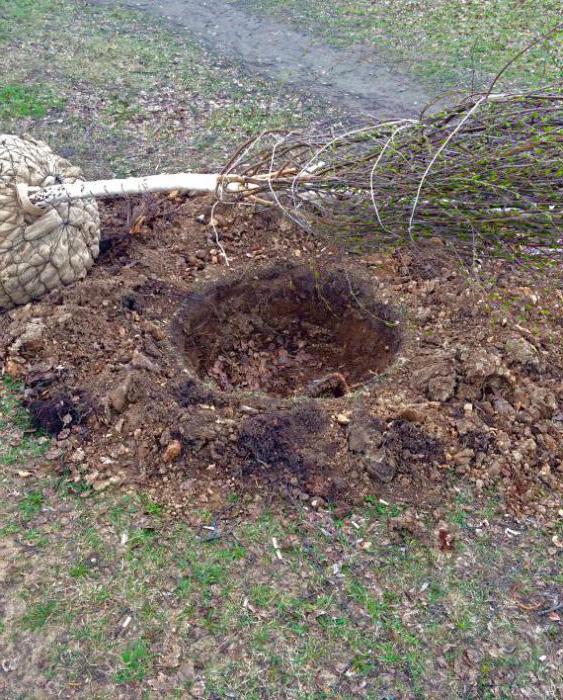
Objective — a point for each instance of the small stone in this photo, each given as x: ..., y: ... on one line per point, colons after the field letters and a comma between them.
x: 31, y: 340
x: 102, y: 485
x: 342, y: 511
x: 343, y: 419
x: 381, y: 465
x: 249, y: 409
x: 156, y: 331
x: 78, y: 456
x: 521, y: 351
x: 411, y: 413
x: 118, y: 398
x: 464, y: 456
x: 365, y: 434
x: 172, y: 451
x: 198, y: 689
x: 140, y: 361
x: 13, y: 369
x: 503, y: 407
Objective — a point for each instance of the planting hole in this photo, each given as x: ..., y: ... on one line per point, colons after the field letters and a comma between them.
x: 288, y: 331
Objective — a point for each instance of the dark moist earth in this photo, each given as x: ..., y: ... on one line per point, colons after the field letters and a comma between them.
x: 288, y: 330
x: 299, y: 372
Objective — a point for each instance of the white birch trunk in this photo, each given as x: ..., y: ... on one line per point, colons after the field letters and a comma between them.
x: 43, y: 198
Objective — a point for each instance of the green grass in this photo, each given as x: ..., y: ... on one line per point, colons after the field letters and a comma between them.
x: 17, y: 101
x: 39, y: 614
x: 18, y: 439
x: 254, y: 624
x: 30, y: 505
x: 36, y: 538
x: 444, y: 41
x: 119, y: 84
x: 31, y: 446
x: 79, y: 570
x: 11, y: 411
x: 136, y: 661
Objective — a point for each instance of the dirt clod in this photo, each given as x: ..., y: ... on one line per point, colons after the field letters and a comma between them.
x: 55, y: 414
x: 282, y: 440
x: 387, y: 449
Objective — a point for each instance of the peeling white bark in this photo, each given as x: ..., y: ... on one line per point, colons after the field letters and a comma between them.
x: 45, y: 197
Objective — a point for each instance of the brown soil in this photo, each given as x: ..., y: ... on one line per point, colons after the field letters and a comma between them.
x: 299, y: 372
x: 287, y: 330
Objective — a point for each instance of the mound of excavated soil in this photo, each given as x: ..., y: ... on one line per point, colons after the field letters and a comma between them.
x: 297, y: 372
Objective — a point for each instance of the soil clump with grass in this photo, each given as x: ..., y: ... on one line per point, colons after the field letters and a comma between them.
x: 300, y: 372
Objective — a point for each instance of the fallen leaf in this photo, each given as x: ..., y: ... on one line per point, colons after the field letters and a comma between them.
x: 138, y: 225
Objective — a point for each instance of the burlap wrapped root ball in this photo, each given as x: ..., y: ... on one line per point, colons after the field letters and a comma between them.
x: 41, y: 249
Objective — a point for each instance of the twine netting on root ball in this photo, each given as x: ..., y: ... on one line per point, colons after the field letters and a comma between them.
x: 41, y: 249
x: 485, y: 175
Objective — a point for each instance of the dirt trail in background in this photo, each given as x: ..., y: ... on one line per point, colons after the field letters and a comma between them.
x: 357, y: 82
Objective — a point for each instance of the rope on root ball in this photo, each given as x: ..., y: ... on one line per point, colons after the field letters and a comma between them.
x: 41, y: 249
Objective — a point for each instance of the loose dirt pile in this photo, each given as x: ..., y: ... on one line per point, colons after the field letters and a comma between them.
x: 299, y: 372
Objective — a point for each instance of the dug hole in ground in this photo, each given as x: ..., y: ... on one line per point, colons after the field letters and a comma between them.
x: 300, y: 372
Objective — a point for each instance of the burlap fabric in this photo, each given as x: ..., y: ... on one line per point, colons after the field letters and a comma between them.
x: 40, y: 249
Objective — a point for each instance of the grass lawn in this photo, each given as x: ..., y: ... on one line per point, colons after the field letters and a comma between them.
x: 456, y: 43
x: 105, y: 595
x: 121, y: 95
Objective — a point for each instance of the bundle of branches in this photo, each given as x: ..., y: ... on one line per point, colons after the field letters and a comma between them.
x: 485, y: 175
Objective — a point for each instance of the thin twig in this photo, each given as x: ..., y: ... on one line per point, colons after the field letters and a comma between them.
x: 553, y: 608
